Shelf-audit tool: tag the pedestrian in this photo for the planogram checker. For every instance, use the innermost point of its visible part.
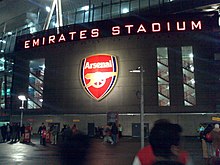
(74, 129)
(40, 131)
(107, 134)
(1, 138)
(67, 134)
(8, 132)
(54, 134)
(215, 134)
(22, 131)
(165, 142)
(43, 135)
(207, 146)
(50, 132)
(18, 131)
(164, 145)
(62, 132)
(114, 131)
(120, 129)
(14, 130)
(3, 132)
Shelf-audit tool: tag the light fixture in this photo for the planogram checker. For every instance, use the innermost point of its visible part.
(3, 41)
(191, 55)
(47, 9)
(135, 71)
(125, 10)
(85, 8)
(9, 33)
(22, 98)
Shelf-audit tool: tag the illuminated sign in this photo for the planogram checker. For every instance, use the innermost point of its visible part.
(216, 118)
(76, 120)
(119, 27)
(49, 120)
(98, 74)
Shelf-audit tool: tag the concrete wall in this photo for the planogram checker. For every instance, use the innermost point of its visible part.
(63, 93)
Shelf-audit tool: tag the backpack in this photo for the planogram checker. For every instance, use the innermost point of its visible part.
(208, 137)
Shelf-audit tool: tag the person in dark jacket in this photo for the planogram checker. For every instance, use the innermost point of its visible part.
(3, 132)
(208, 148)
(8, 132)
(22, 131)
(40, 132)
(114, 131)
(164, 146)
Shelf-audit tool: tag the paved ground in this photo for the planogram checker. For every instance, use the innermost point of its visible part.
(83, 151)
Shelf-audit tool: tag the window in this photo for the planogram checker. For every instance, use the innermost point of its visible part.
(163, 76)
(188, 76)
(36, 82)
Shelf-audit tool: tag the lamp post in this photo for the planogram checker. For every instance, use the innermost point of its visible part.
(22, 98)
(141, 71)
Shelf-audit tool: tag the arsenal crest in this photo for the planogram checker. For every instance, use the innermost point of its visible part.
(98, 74)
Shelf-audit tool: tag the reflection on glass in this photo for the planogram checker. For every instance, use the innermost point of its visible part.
(36, 82)
(163, 77)
(188, 76)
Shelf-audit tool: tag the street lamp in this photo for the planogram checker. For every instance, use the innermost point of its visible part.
(141, 70)
(22, 98)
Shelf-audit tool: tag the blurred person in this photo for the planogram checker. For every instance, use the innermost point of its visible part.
(107, 134)
(74, 129)
(62, 131)
(8, 132)
(15, 132)
(114, 131)
(207, 146)
(41, 127)
(22, 131)
(67, 134)
(54, 134)
(43, 135)
(164, 145)
(215, 134)
(1, 138)
(165, 142)
(120, 129)
(50, 133)
(3, 132)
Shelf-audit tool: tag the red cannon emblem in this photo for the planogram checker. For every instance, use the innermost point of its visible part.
(98, 74)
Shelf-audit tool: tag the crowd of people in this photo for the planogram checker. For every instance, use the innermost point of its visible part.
(210, 139)
(110, 133)
(51, 134)
(11, 132)
(164, 140)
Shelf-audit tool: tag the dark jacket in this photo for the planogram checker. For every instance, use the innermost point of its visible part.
(114, 129)
(207, 130)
